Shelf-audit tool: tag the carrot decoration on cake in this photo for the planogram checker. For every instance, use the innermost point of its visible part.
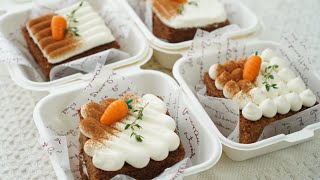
(58, 27)
(252, 67)
(181, 9)
(116, 111)
(181, 1)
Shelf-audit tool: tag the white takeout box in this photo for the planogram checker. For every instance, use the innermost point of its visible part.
(63, 90)
(21, 74)
(238, 151)
(146, 81)
(167, 53)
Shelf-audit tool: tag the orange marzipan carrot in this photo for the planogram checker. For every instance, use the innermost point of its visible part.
(58, 27)
(115, 112)
(181, 1)
(252, 68)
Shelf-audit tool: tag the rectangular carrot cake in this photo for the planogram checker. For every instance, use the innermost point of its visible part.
(178, 20)
(265, 89)
(66, 35)
(140, 143)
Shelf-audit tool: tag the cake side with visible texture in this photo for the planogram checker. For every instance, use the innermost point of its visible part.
(176, 22)
(43, 63)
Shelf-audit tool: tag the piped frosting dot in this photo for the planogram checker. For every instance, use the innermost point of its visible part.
(252, 112)
(308, 98)
(267, 54)
(295, 101)
(296, 85)
(268, 107)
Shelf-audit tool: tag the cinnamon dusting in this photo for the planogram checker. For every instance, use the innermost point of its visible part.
(166, 8)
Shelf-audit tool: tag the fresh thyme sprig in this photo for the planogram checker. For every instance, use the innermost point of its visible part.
(134, 124)
(72, 20)
(268, 70)
(181, 9)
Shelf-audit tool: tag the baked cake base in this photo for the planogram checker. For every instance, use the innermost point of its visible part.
(43, 63)
(153, 169)
(250, 131)
(172, 35)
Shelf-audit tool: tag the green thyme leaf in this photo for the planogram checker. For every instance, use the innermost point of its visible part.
(127, 126)
(139, 138)
(268, 75)
(181, 9)
(71, 20)
(274, 86)
(132, 134)
(134, 124)
(138, 126)
(193, 3)
(271, 76)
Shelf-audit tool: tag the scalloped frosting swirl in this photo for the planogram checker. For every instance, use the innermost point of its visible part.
(111, 146)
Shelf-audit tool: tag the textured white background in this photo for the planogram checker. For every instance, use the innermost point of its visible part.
(22, 158)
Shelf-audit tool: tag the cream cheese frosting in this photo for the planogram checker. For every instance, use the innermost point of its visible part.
(286, 74)
(205, 13)
(296, 85)
(295, 101)
(267, 54)
(92, 31)
(112, 151)
(252, 111)
(257, 95)
(290, 92)
(278, 61)
(308, 98)
(283, 106)
(268, 107)
(242, 99)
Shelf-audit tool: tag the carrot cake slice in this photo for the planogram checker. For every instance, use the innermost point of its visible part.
(265, 89)
(67, 34)
(178, 20)
(133, 136)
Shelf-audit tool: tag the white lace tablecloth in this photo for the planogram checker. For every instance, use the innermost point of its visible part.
(22, 158)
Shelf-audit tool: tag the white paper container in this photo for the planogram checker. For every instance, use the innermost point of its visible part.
(237, 151)
(168, 53)
(147, 81)
(20, 74)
